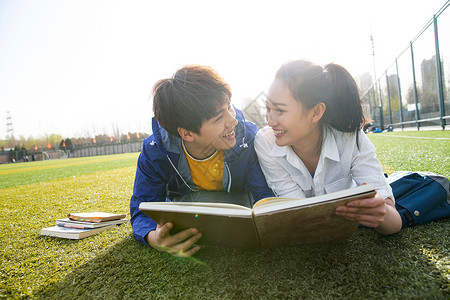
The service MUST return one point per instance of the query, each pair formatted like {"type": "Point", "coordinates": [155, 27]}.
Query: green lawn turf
{"type": "Point", "coordinates": [412, 150]}
{"type": "Point", "coordinates": [26, 173]}
{"type": "Point", "coordinates": [414, 263]}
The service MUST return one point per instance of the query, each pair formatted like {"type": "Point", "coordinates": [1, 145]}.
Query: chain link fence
{"type": "Point", "coordinates": [414, 91]}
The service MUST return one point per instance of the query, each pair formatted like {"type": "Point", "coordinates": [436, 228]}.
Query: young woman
{"type": "Point", "coordinates": [314, 143]}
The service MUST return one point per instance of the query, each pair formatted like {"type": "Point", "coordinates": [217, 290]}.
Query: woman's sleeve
{"type": "Point", "coordinates": [366, 168]}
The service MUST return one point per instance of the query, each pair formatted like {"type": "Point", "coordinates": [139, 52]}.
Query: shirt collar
{"type": "Point", "coordinates": [329, 148]}
{"type": "Point", "coordinates": [291, 156]}
{"type": "Point", "coordinates": [279, 151]}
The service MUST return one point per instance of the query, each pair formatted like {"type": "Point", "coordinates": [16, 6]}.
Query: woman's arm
{"type": "Point", "coordinates": [376, 212]}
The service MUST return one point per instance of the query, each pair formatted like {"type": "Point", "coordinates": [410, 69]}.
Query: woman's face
{"type": "Point", "coordinates": [292, 124]}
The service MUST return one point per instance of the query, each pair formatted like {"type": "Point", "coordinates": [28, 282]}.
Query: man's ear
{"type": "Point", "coordinates": [185, 134]}
{"type": "Point", "coordinates": [318, 111]}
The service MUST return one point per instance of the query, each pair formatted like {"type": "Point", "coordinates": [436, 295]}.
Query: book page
{"type": "Point", "coordinates": [72, 233]}
{"type": "Point", "coordinates": [280, 204]}
{"type": "Point", "coordinates": [311, 224]}
{"type": "Point", "coordinates": [310, 220]}
{"type": "Point", "coordinates": [216, 209]}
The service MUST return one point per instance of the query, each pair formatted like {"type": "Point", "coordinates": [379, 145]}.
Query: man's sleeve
{"type": "Point", "coordinates": [255, 178]}
{"type": "Point", "coordinates": [366, 168]}
{"type": "Point", "coordinates": [149, 186]}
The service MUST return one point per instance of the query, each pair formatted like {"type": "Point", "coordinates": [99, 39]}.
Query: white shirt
{"type": "Point", "coordinates": [341, 165]}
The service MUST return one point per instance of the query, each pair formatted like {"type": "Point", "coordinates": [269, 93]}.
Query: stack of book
{"type": "Point", "coordinates": [80, 225]}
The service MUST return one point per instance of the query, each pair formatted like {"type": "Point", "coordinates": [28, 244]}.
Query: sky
{"type": "Point", "coordinates": [84, 67]}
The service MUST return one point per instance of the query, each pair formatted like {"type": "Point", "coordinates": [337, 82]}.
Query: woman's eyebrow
{"type": "Point", "coordinates": [275, 103]}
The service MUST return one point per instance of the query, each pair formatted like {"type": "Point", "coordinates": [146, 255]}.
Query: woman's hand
{"type": "Point", "coordinates": [180, 244]}
{"type": "Point", "coordinates": [376, 212]}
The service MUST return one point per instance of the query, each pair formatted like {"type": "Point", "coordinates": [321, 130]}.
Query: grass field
{"type": "Point", "coordinates": [413, 264]}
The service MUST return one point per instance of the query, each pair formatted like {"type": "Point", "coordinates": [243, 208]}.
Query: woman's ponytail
{"type": "Point", "coordinates": [344, 110]}
{"type": "Point", "coordinates": [333, 85]}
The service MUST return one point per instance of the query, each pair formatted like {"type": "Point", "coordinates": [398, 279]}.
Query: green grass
{"type": "Point", "coordinates": [411, 150]}
{"type": "Point", "coordinates": [32, 172]}
{"type": "Point", "coordinates": [413, 264]}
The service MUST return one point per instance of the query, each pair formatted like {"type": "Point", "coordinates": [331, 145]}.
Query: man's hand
{"type": "Point", "coordinates": [180, 244]}
{"type": "Point", "coordinates": [373, 212]}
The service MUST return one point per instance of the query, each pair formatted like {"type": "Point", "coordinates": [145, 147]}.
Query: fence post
{"type": "Point", "coordinates": [399, 95]}
{"type": "Point", "coordinates": [373, 98]}
{"type": "Point", "coordinates": [381, 105]}
{"type": "Point", "coordinates": [389, 99]}
{"type": "Point", "coordinates": [439, 73]}
{"type": "Point", "coordinates": [416, 97]}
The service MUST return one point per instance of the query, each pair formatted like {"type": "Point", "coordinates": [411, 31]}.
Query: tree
{"type": "Point", "coordinates": [53, 139]}
{"type": "Point", "coordinates": [101, 139]}
{"type": "Point", "coordinates": [69, 146]}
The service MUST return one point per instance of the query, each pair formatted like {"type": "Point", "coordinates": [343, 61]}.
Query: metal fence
{"type": "Point", "coordinates": [414, 91]}
{"type": "Point", "coordinates": [105, 149]}
{"type": "Point", "coordinates": [79, 150]}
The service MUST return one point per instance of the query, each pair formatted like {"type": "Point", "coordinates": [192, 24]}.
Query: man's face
{"type": "Point", "coordinates": [216, 133]}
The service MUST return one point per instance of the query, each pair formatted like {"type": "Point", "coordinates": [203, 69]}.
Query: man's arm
{"type": "Point", "coordinates": [150, 186]}
{"type": "Point", "coordinates": [181, 244]}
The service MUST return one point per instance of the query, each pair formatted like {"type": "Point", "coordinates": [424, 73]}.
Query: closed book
{"type": "Point", "coordinates": [72, 233]}
{"type": "Point", "coordinates": [95, 217]}
{"type": "Point", "coordinates": [85, 225]}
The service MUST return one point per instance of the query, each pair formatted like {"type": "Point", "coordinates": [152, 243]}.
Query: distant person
{"type": "Point", "coordinates": [199, 143]}
{"type": "Point", "coordinates": [314, 144]}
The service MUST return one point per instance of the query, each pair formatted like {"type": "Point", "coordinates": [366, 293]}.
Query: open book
{"type": "Point", "coordinates": [272, 222]}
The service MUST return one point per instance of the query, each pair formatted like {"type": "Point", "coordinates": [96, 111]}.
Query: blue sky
{"type": "Point", "coordinates": [87, 67]}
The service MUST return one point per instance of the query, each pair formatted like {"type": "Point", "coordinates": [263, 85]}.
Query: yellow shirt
{"type": "Point", "coordinates": [207, 173]}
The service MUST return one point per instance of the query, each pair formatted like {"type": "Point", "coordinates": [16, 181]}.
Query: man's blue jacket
{"type": "Point", "coordinates": [163, 173]}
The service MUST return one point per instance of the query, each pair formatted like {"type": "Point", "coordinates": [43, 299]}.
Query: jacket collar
{"type": "Point", "coordinates": [171, 143]}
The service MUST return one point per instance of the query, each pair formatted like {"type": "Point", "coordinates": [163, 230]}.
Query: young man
{"type": "Point", "coordinates": [199, 143]}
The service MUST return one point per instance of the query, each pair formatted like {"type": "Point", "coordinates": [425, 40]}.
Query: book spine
{"type": "Point", "coordinates": [73, 226]}
{"type": "Point", "coordinates": [256, 229]}
{"type": "Point", "coordinates": [92, 220]}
